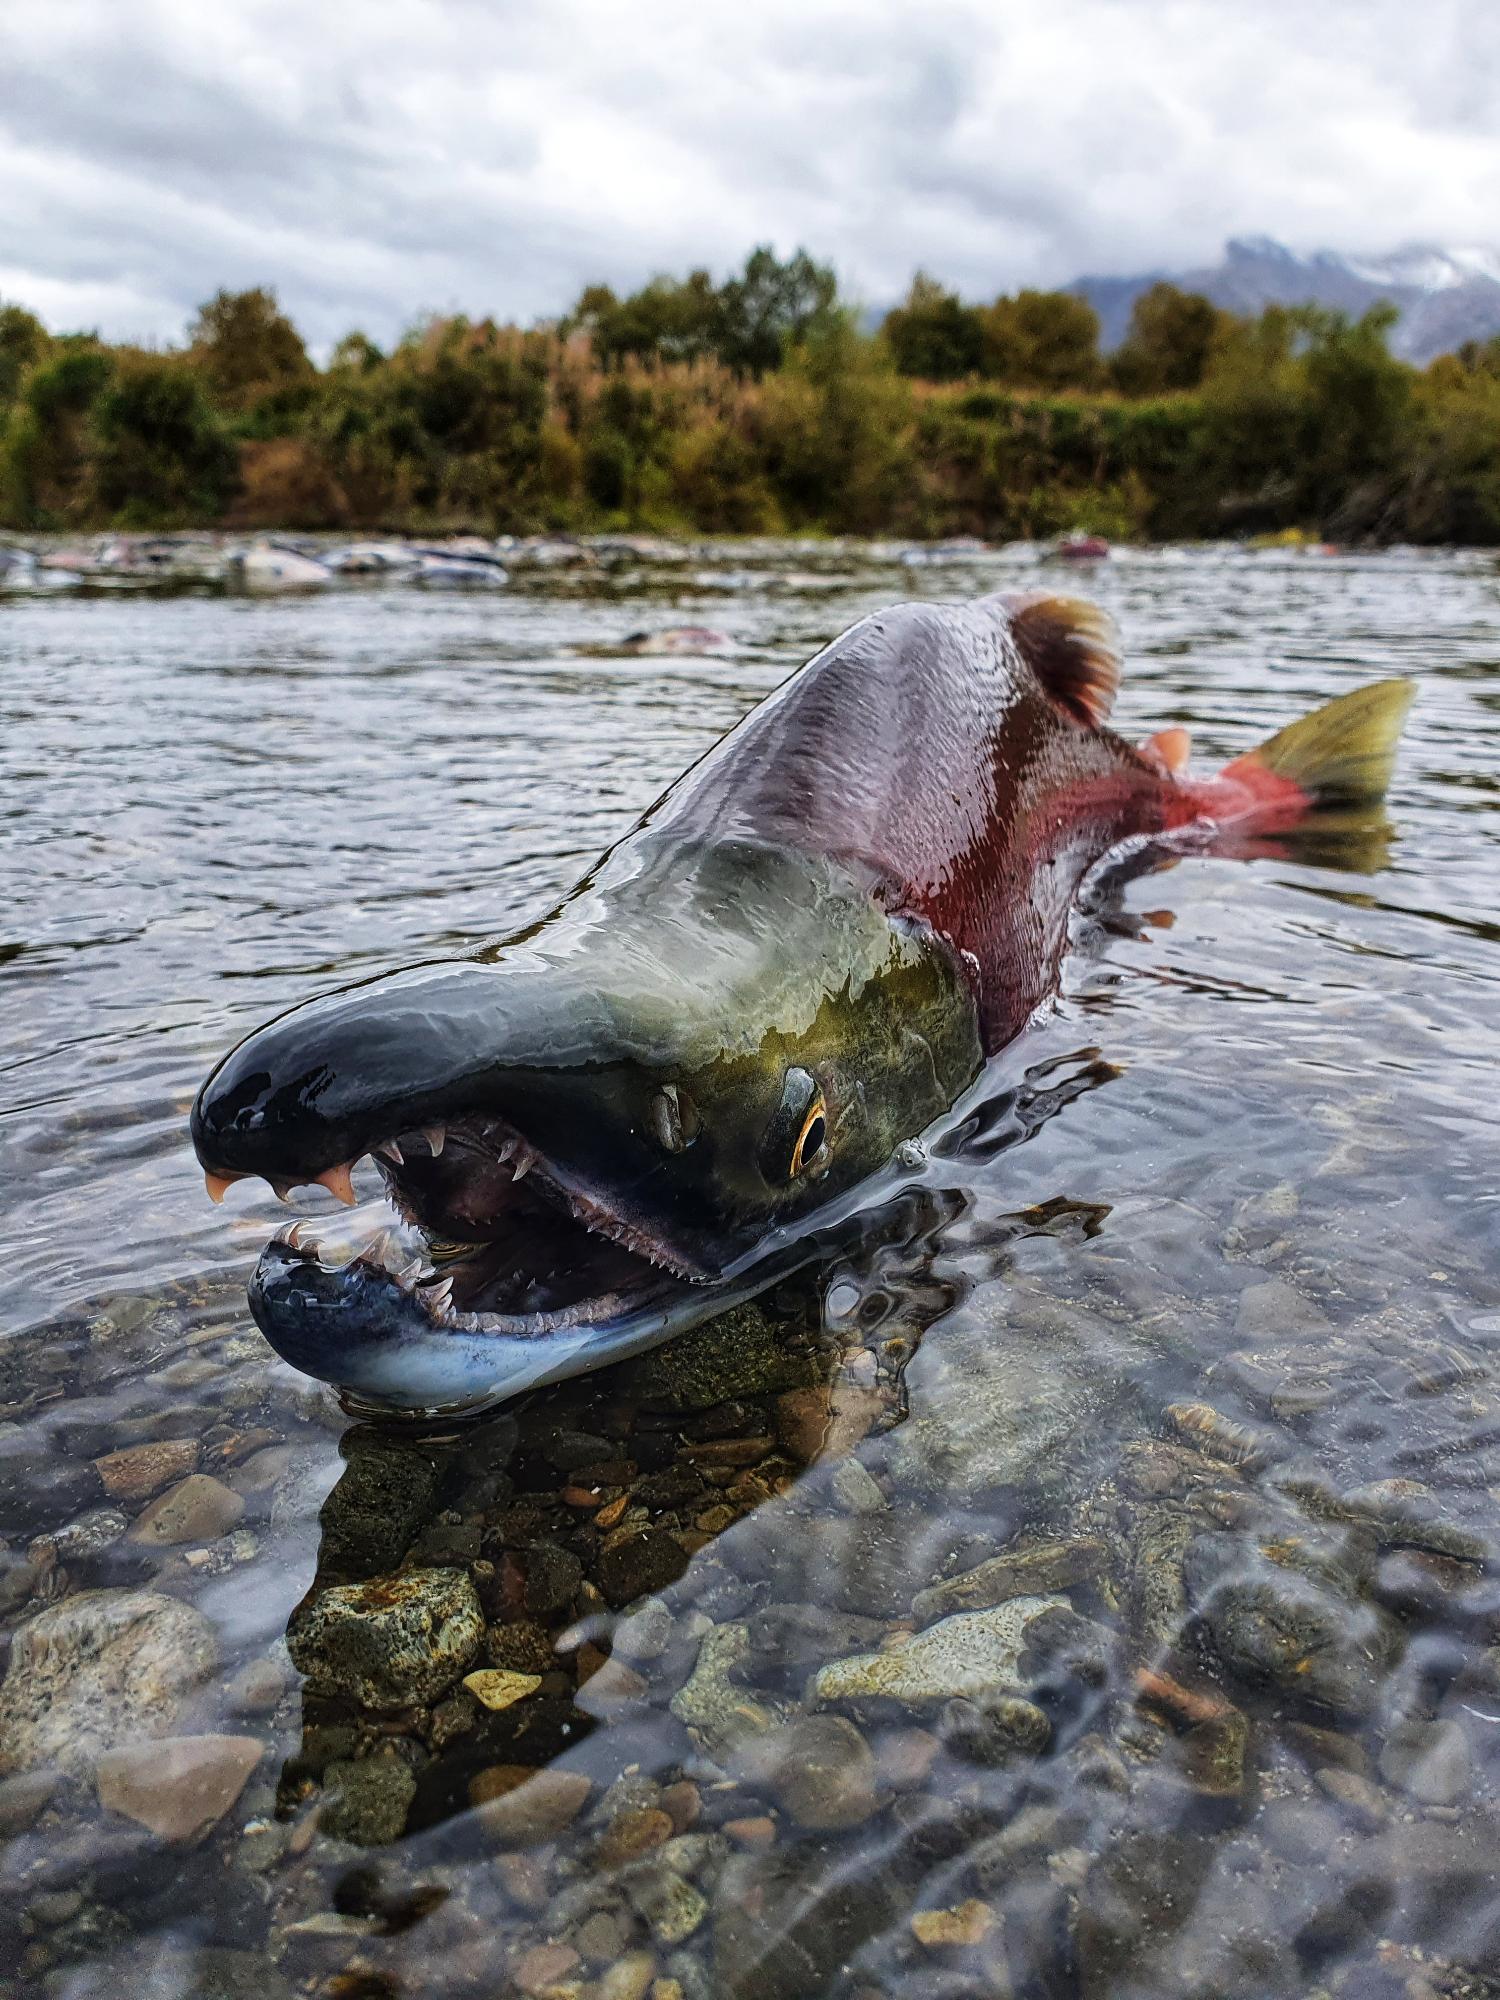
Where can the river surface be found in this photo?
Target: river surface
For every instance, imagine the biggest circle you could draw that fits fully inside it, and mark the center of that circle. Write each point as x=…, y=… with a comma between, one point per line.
x=1082, y=1581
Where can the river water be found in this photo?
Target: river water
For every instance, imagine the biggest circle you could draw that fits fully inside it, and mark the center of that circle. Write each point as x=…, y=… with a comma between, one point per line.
x=1083, y=1580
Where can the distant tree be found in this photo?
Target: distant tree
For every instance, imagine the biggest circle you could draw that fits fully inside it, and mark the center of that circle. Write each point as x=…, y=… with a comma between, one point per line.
x=773, y=307
x=669, y=319
x=750, y=322
x=1358, y=396
x=356, y=354
x=161, y=453
x=934, y=335
x=1171, y=341
x=23, y=340
x=246, y=347
x=1042, y=340
x=47, y=468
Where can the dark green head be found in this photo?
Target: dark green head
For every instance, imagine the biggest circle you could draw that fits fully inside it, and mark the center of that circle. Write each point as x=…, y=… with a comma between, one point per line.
x=694, y=1057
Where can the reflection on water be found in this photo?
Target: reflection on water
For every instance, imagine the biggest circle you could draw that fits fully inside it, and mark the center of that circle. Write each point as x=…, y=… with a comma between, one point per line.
x=1080, y=1579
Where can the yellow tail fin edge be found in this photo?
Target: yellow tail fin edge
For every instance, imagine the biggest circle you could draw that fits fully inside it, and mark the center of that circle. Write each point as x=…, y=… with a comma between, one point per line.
x=1344, y=753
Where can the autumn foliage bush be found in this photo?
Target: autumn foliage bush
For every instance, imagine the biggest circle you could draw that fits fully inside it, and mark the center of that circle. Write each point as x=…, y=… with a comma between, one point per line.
x=763, y=404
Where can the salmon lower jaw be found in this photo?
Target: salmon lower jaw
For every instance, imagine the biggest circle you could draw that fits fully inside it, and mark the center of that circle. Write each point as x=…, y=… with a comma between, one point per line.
x=477, y=1235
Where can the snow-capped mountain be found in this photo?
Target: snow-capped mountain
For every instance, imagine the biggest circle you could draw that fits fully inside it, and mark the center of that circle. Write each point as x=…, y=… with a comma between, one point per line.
x=1445, y=296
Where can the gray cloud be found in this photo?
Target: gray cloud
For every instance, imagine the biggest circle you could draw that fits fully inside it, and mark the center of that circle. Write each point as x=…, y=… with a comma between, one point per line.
x=493, y=157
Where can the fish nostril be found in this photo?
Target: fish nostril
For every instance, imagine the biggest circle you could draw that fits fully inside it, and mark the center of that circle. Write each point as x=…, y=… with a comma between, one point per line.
x=674, y=1119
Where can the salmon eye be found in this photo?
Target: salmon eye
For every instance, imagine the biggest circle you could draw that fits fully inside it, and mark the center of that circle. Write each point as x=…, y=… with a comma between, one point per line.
x=796, y=1140
x=812, y=1138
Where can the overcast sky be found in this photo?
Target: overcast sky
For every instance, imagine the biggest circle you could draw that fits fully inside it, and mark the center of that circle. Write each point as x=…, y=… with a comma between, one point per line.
x=372, y=161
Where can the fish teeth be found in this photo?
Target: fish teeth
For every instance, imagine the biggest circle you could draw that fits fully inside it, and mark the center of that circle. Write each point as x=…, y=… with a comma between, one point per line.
x=339, y=1182
x=392, y=1152
x=522, y=1167
x=441, y=1295
x=435, y=1135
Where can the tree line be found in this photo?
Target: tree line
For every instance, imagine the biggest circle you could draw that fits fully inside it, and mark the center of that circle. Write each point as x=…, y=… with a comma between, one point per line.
x=761, y=403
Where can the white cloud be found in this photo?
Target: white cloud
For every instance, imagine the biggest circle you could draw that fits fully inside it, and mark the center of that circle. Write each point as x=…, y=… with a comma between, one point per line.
x=415, y=154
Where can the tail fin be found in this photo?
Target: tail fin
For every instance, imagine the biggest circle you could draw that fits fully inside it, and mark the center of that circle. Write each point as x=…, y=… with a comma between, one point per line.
x=1343, y=753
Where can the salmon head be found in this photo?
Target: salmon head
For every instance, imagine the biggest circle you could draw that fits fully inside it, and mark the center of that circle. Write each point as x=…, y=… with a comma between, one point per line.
x=590, y=1135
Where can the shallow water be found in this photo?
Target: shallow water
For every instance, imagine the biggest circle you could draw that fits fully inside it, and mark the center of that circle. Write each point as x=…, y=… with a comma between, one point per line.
x=1196, y=1318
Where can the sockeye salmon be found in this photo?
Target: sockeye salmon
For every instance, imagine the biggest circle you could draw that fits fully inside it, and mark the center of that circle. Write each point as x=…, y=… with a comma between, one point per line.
x=599, y=1131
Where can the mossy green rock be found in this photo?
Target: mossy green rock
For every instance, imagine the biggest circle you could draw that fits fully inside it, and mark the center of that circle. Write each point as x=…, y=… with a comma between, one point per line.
x=743, y=1352
x=390, y=1643
x=386, y=1493
x=367, y=1802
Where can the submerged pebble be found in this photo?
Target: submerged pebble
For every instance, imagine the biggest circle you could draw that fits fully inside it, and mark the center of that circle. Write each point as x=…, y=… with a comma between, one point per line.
x=96, y=1670
x=520, y=1806
x=88, y=1536
x=199, y=1508
x=1030, y=1570
x=1006, y=1422
x=1430, y=1761
x=818, y=1768
x=719, y=1710
x=972, y=1653
x=495, y=1688
x=139, y=1470
x=178, y=1785
x=1318, y=1647
x=366, y=1802
x=994, y=1728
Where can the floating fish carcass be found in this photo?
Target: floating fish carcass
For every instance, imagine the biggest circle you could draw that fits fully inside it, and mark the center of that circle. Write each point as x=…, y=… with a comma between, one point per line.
x=1079, y=547
x=692, y=640
x=458, y=568
x=268, y=566
x=373, y=559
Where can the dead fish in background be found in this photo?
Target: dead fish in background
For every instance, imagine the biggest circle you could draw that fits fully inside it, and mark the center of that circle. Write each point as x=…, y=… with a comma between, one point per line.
x=604, y=1129
x=691, y=641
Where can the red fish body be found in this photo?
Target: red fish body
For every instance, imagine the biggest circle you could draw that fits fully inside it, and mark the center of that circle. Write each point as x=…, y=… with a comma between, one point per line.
x=955, y=757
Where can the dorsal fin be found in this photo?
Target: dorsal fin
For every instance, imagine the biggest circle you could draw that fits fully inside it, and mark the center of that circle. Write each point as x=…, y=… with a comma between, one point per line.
x=1072, y=647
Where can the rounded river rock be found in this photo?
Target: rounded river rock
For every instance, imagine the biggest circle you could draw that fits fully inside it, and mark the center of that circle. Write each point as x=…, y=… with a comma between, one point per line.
x=102, y=1668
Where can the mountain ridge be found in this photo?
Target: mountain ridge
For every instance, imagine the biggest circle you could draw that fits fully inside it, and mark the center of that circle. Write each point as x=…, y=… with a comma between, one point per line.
x=1444, y=295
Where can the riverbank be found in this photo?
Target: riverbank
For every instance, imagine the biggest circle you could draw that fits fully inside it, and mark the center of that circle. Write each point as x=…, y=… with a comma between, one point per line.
x=1294, y=422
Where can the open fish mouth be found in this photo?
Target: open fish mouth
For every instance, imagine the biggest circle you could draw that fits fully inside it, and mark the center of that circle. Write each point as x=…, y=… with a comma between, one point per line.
x=479, y=1240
